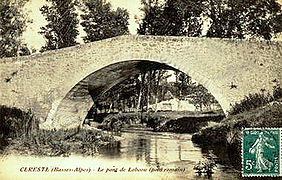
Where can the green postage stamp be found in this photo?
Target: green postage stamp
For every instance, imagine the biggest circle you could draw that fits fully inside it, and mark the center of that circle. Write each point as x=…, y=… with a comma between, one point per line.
x=261, y=152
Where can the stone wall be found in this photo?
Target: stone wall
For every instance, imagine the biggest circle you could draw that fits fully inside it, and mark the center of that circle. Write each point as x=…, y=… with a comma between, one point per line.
x=40, y=82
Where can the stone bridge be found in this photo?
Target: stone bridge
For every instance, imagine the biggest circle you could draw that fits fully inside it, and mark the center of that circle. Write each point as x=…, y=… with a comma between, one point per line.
x=55, y=85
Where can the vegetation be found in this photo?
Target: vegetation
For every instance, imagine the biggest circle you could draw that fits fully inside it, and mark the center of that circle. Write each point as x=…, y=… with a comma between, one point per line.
x=227, y=18
x=61, y=30
x=178, y=122
x=171, y=18
x=20, y=134
x=140, y=92
x=187, y=124
x=12, y=25
x=100, y=22
x=255, y=100
x=62, y=143
x=15, y=123
x=206, y=168
x=114, y=122
x=239, y=19
x=254, y=111
x=227, y=134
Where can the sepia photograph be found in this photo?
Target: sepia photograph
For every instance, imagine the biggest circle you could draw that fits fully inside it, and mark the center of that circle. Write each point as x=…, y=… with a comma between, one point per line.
x=140, y=89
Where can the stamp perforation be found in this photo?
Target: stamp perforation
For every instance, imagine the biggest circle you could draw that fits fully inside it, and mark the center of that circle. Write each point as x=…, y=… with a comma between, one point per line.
x=258, y=150
x=280, y=142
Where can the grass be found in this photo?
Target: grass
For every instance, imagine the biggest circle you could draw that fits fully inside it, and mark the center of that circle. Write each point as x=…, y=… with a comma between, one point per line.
x=62, y=143
x=254, y=111
x=20, y=134
x=255, y=100
x=15, y=122
x=228, y=133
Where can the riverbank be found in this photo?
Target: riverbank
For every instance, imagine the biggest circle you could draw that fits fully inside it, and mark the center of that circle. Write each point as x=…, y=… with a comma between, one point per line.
x=20, y=134
x=61, y=143
x=170, y=121
x=227, y=134
x=165, y=153
x=186, y=124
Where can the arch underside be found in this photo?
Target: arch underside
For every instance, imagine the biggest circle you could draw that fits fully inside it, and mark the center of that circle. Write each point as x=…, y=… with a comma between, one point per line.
x=73, y=108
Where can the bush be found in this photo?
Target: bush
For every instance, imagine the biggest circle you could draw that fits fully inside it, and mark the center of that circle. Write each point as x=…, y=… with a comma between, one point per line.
x=15, y=122
x=62, y=143
x=114, y=122
x=20, y=133
x=256, y=100
x=250, y=102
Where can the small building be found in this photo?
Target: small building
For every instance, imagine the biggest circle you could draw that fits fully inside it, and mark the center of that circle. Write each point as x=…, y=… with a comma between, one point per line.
x=173, y=104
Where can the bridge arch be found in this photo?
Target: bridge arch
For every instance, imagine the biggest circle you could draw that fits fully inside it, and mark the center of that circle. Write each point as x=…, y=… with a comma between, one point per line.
x=40, y=82
x=73, y=108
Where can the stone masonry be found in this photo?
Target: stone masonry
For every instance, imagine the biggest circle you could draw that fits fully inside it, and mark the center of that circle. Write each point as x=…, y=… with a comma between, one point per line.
x=46, y=83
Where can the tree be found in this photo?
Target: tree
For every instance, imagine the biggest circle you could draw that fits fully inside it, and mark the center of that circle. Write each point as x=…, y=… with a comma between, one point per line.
x=12, y=26
x=201, y=97
x=61, y=31
x=190, y=14
x=244, y=18
x=183, y=84
x=100, y=22
x=156, y=21
x=228, y=18
x=172, y=18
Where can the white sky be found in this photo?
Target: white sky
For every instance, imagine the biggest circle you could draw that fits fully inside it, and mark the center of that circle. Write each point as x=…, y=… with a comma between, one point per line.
x=36, y=40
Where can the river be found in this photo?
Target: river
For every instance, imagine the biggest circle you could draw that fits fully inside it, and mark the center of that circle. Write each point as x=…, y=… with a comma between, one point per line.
x=166, y=150
x=141, y=155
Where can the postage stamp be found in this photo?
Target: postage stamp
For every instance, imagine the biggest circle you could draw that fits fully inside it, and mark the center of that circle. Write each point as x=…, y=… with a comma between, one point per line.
x=261, y=152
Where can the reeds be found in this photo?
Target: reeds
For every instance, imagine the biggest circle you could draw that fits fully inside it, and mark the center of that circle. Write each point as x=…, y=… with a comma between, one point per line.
x=20, y=133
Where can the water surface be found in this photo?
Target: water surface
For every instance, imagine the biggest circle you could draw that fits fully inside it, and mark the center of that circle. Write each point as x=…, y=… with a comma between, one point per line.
x=166, y=150
x=140, y=152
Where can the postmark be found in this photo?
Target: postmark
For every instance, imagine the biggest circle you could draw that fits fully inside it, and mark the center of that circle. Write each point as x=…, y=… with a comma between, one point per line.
x=261, y=152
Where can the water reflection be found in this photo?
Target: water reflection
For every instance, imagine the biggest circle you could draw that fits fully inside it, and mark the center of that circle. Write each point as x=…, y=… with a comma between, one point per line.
x=143, y=150
x=165, y=150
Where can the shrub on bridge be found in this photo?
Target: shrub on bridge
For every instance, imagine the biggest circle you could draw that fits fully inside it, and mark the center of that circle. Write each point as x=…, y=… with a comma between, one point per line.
x=277, y=92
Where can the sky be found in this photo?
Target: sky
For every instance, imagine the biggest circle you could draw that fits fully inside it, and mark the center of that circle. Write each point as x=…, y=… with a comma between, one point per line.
x=35, y=40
